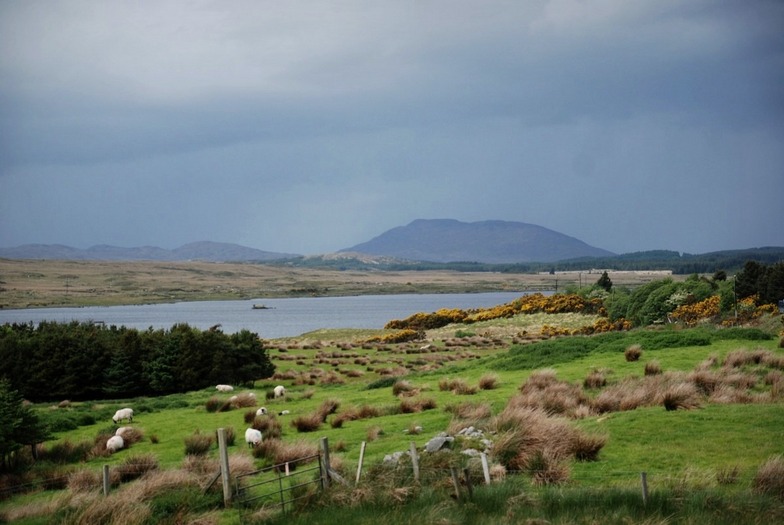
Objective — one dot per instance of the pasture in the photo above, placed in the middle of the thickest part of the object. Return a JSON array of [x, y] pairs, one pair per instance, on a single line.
[[707, 446]]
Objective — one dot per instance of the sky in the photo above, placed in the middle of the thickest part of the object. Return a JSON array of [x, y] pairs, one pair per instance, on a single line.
[[311, 126]]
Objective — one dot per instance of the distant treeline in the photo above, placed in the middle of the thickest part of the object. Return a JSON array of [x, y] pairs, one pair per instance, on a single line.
[[57, 361], [730, 261]]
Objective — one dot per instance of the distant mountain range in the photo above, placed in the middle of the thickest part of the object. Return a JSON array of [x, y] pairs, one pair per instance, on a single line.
[[443, 243], [492, 242], [196, 251]]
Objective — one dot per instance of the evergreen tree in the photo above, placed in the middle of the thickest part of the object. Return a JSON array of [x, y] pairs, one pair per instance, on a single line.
[[605, 281], [19, 425]]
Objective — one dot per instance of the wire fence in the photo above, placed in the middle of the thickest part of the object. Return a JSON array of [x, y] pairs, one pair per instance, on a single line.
[[283, 485]]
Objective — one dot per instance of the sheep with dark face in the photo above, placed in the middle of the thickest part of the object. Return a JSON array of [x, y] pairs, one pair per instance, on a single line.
[[279, 391], [261, 411]]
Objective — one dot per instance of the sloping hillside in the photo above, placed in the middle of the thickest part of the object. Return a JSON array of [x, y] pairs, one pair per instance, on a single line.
[[196, 251], [447, 240]]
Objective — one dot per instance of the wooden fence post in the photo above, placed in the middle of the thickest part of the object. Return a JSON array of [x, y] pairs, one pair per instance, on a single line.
[[485, 468], [361, 460], [414, 461], [455, 482], [644, 480], [469, 486], [325, 450], [223, 454], [106, 480]]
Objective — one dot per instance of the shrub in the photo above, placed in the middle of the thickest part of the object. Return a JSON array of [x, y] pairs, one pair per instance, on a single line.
[[633, 353], [681, 396], [401, 386], [249, 416], [213, 404], [547, 468], [269, 427], [488, 382], [652, 368], [384, 382], [134, 467], [294, 453], [84, 480], [66, 451], [244, 400], [586, 447], [309, 423], [132, 435], [198, 444], [457, 386], [595, 379], [769, 478], [330, 406], [374, 432]]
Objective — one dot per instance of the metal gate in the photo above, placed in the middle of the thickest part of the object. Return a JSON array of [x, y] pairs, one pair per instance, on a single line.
[[280, 485]]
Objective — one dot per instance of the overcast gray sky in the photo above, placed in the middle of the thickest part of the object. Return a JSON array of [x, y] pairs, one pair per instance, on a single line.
[[308, 127]]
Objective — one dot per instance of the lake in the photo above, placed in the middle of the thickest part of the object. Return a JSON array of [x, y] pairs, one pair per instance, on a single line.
[[284, 317]]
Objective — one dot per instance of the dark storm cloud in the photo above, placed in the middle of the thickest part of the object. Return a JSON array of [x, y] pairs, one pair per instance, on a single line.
[[313, 126]]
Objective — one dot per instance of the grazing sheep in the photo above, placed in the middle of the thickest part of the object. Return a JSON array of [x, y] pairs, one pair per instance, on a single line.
[[115, 443], [284, 413], [252, 437], [123, 413], [262, 411], [224, 388], [279, 391], [120, 431]]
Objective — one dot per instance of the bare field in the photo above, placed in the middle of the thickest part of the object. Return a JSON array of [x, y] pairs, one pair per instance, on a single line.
[[36, 283]]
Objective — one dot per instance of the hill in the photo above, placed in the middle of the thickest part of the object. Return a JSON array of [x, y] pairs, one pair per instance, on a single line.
[[493, 242], [196, 251]]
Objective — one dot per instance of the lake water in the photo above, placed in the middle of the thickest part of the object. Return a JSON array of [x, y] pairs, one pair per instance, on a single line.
[[285, 317]]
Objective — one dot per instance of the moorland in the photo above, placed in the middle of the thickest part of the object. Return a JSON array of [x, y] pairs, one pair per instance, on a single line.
[[42, 283]]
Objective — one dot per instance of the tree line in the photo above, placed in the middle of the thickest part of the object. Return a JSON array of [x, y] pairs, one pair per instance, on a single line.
[[680, 264], [83, 360]]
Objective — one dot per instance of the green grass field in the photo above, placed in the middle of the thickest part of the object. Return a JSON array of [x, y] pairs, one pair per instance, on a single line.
[[700, 462]]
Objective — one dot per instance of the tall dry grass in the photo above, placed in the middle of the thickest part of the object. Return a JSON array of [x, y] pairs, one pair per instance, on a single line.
[[535, 441], [543, 390], [769, 478]]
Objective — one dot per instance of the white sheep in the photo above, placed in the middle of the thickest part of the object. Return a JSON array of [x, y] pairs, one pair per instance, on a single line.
[[261, 411], [120, 431], [279, 391], [224, 388], [123, 413], [115, 443], [284, 413], [252, 437]]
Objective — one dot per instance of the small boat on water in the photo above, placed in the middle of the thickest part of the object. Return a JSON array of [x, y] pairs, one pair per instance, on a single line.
[[261, 307]]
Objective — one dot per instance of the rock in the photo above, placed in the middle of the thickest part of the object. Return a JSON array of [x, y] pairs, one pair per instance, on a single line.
[[438, 442]]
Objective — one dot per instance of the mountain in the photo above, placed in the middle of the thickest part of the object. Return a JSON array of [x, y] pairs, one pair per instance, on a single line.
[[494, 242], [196, 251]]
